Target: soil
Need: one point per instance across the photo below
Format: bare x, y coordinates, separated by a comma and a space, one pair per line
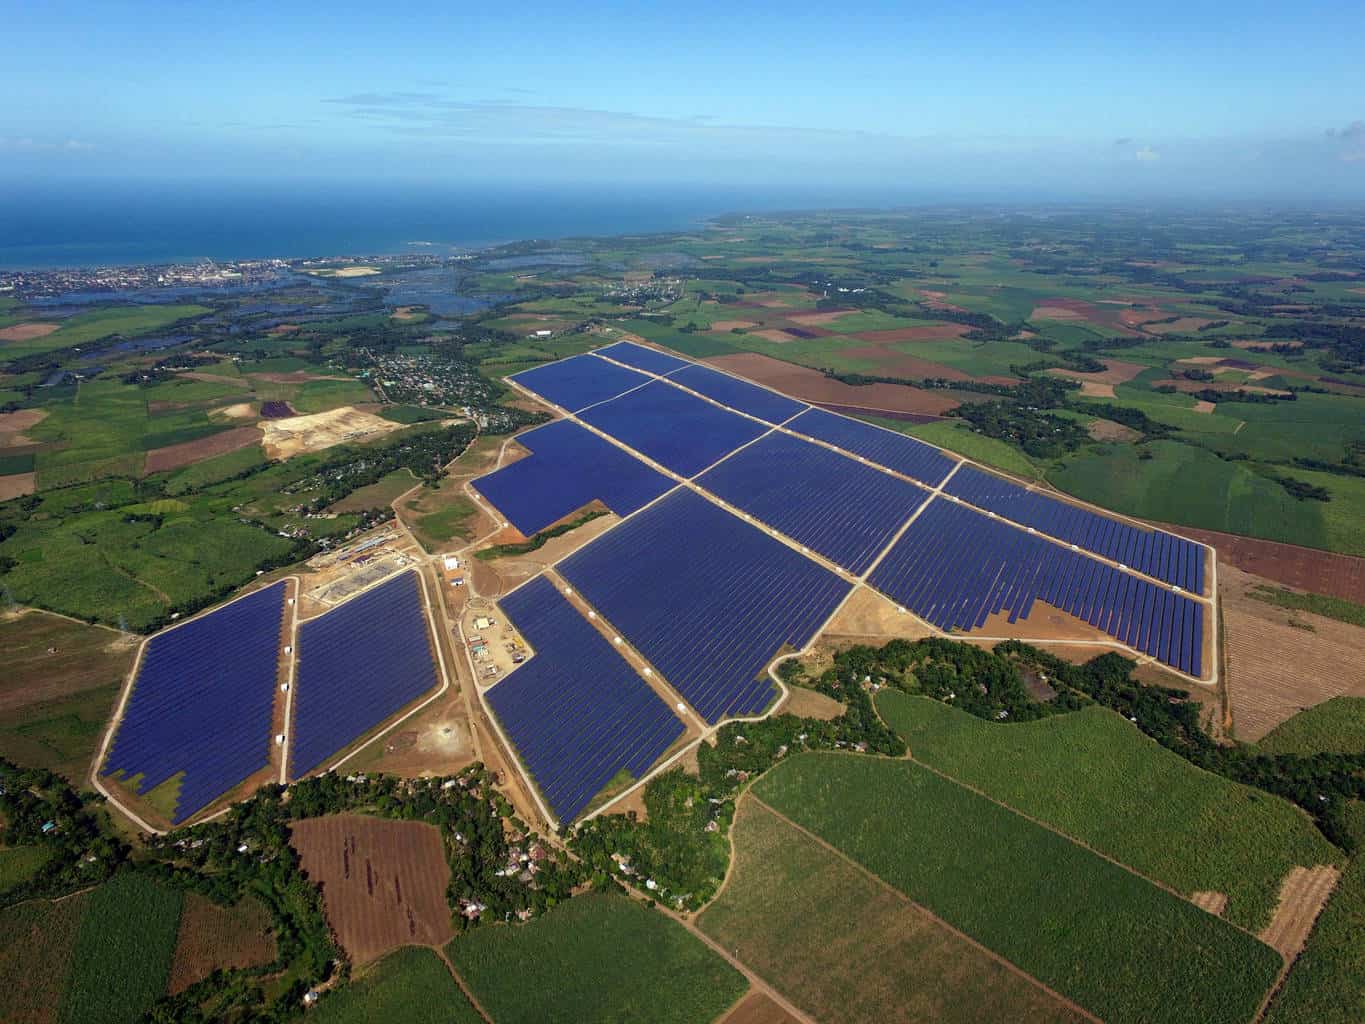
813, 386
1116, 372
216, 378
240, 411
16, 485
383, 882
897, 364
818, 319
13, 425
773, 334
298, 434
867, 615
1275, 669
187, 453
806, 703
1213, 902
1204, 407
1095, 389
213, 938
1322, 572
726, 326
1044, 623
48, 657
1108, 430
1303, 894
759, 1008
27, 332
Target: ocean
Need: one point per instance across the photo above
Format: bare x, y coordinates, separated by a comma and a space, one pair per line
117, 224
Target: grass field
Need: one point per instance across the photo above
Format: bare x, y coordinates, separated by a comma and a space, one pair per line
960, 438
321, 395
1327, 982
20, 863
1229, 497
1118, 945
448, 522
36, 942
1092, 775
128, 321
122, 956
380, 494
841, 946
1335, 726
595, 958
411, 984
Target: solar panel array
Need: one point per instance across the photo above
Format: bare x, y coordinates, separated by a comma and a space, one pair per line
954, 567
675, 429
358, 664
844, 509
576, 712
203, 701
570, 466
1163, 556
642, 358
706, 597
579, 381
738, 394
896, 452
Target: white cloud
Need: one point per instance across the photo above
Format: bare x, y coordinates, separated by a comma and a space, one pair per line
1147, 155
31, 145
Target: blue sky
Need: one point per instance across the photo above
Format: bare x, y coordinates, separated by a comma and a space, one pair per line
1200, 99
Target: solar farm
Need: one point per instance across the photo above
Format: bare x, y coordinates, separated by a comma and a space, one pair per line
209, 708
747, 519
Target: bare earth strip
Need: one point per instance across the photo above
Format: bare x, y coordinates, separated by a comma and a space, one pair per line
297, 434
813, 386
16, 485
1303, 894
759, 1008
219, 938
843, 946
173, 456
1214, 902
383, 882
27, 331
1322, 572
1276, 669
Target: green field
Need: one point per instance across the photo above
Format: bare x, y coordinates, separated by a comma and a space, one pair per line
1095, 777
61, 734
841, 946
20, 863
1335, 726
321, 395
1327, 982
36, 941
1118, 945
596, 958
960, 438
122, 956
380, 494
127, 321
1229, 497
409, 985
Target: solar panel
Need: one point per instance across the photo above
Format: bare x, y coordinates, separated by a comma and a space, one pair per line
1154, 553
952, 559
202, 703
576, 712
844, 509
738, 394
706, 597
579, 381
569, 467
677, 430
896, 452
358, 664
642, 358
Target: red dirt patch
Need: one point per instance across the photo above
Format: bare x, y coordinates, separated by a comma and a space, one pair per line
383, 882
173, 456
759, 1008
1115, 372
818, 319
775, 335
932, 332
213, 937
1303, 894
726, 326
813, 386
27, 332
16, 485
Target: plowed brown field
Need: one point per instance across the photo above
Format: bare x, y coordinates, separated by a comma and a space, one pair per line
1322, 572
213, 937
813, 386
174, 456
1275, 669
383, 882
1303, 894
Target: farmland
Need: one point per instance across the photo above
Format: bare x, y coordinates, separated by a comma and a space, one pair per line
1116, 944
122, 955
1334, 726
128, 322
595, 958
383, 882
408, 985
212, 938
1093, 776
810, 922
36, 943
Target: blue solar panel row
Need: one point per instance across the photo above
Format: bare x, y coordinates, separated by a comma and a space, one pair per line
1161, 555
706, 597
576, 712
642, 358
844, 509
738, 394
675, 429
896, 452
579, 381
359, 664
954, 567
203, 701
569, 467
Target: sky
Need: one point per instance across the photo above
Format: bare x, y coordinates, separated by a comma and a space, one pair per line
1209, 100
